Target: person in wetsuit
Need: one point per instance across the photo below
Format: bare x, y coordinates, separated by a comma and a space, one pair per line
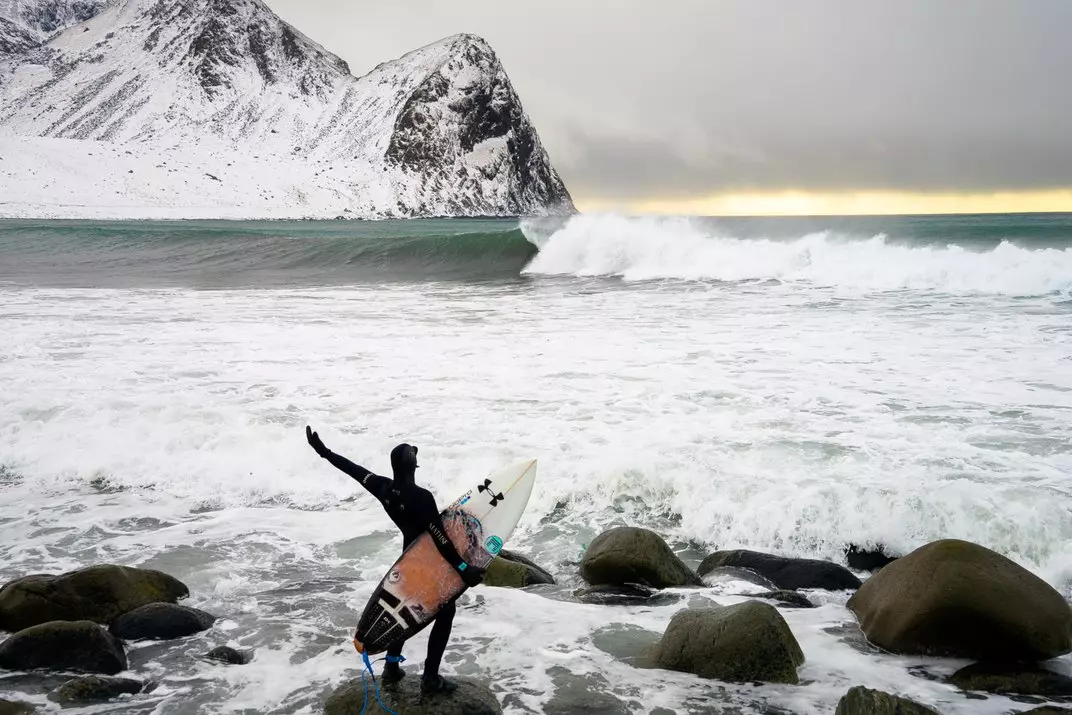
413, 510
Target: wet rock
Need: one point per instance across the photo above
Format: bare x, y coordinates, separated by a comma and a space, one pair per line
863, 559
725, 575
1012, 678
1047, 710
787, 598
97, 593
587, 693
747, 642
783, 572
161, 621
94, 688
228, 655
509, 570
958, 599
629, 555
61, 645
471, 698
864, 701
10, 707
627, 595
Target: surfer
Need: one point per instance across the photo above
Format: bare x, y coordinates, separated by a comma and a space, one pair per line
413, 510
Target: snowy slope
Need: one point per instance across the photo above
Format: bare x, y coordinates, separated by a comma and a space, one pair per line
219, 108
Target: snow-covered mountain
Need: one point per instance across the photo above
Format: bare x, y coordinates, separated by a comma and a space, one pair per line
170, 108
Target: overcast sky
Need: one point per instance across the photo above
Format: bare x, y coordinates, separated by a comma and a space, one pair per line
642, 100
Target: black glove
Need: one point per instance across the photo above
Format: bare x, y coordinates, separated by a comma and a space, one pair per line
472, 575
315, 443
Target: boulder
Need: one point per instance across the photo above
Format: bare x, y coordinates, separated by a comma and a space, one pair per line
790, 599
62, 645
161, 621
747, 642
1011, 678
540, 571
629, 555
629, 595
864, 559
471, 698
228, 655
864, 701
97, 593
958, 599
785, 573
1047, 710
10, 707
506, 572
94, 688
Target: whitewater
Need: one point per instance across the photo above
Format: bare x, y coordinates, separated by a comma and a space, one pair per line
792, 386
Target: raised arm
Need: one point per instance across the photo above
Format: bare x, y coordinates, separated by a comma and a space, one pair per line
376, 484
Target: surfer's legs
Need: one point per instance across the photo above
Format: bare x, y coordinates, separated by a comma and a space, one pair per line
437, 643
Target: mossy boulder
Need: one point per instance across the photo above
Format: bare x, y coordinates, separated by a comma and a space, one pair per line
96, 593
630, 555
958, 599
512, 570
785, 573
161, 621
1011, 678
63, 645
471, 698
747, 642
864, 701
11, 707
95, 688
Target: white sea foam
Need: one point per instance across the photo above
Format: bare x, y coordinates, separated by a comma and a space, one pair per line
684, 248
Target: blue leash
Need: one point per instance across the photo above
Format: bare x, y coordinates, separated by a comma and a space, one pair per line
376, 686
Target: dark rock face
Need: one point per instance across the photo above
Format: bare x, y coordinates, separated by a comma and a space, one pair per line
743, 643
15, 39
1012, 678
228, 655
863, 701
788, 598
626, 595
94, 688
80, 646
10, 707
785, 573
471, 698
97, 593
487, 109
161, 621
628, 555
958, 599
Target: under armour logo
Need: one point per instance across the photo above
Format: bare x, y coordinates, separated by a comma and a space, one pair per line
486, 487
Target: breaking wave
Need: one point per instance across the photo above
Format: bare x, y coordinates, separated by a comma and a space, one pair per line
689, 249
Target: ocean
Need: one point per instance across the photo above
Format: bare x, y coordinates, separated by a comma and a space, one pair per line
791, 385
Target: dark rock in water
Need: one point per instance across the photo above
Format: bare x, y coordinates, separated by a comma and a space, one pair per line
625, 595
228, 655
784, 572
161, 621
864, 701
61, 645
94, 688
97, 593
743, 643
404, 697
957, 599
543, 573
727, 574
512, 570
9, 707
1047, 710
629, 555
1012, 678
871, 560
574, 694
788, 598
628, 643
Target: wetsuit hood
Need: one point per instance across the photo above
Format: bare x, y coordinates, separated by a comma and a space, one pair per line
404, 463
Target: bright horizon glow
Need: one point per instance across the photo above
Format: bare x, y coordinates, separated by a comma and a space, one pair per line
850, 203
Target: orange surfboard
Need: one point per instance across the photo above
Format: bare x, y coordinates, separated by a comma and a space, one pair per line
421, 581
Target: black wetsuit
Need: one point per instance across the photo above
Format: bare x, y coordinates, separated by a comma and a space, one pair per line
413, 510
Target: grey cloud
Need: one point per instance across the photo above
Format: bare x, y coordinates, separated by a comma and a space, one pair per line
680, 98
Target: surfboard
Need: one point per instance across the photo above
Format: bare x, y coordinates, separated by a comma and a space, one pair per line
421, 581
